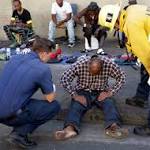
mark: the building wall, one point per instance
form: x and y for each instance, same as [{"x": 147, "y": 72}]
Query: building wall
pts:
[
  {"x": 40, "y": 11},
  {"x": 5, "y": 13}
]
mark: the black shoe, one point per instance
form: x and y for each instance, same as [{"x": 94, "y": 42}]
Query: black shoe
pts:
[
  {"x": 137, "y": 101},
  {"x": 21, "y": 141},
  {"x": 71, "y": 45},
  {"x": 142, "y": 131},
  {"x": 84, "y": 51}
]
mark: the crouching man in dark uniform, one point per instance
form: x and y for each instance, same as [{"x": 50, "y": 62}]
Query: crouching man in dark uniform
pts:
[{"x": 22, "y": 76}]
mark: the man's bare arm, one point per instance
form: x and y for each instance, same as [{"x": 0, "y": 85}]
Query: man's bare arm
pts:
[
  {"x": 54, "y": 19},
  {"x": 78, "y": 17},
  {"x": 65, "y": 20}
]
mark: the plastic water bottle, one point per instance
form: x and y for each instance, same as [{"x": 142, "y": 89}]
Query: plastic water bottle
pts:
[
  {"x": 8, "y": 53},
  {"x": 17, "y": 51},
  {"x": 58, "y": 52}
]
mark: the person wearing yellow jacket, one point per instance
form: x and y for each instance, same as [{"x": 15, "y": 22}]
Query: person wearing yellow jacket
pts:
[{"x": 134, "y": 22}]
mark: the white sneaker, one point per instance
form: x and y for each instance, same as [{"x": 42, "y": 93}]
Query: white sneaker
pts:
[
  {"x": 84, "y": 51},
  {"x": 100, "y": 51},
  {"x": 71, "y": 45}
]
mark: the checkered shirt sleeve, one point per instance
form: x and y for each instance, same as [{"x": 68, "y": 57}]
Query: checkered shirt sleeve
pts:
[{"x": 117, "y": 74}]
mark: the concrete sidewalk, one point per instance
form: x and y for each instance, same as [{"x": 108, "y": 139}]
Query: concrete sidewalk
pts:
[{"x": 92, "y": 137}]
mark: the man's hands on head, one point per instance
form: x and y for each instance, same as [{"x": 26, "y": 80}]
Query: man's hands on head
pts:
[
  {"x": 104, "y": 95},
  {"x": 81, "y": 99}
]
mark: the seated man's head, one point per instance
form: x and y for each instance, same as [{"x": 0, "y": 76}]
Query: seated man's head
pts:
[
  {"x": 60, "y": 2},
  {"x": 93, "y": 9},
  {"x": 43, "y": 47},
  {"x": 95, "y": 65},
  {"x": 17, "y": 5}
]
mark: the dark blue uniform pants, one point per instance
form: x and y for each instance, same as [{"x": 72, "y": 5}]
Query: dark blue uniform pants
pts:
[
  {"x": 143, "y": 89},
  {"x": 34, "y": 114}
]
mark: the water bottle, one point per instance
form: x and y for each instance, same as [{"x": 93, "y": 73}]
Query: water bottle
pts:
[
  {"x": 17, "y": 51},
  {"x": 58, "y": 52},
  {"x": 8, "y": 53}
]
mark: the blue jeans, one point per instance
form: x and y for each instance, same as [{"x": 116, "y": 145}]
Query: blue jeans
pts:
[
  {"x": 77, "y": 110},
  {"x": 70, "y": 28},
  {"x": 34, "y": 114},
  {"x": 143, "y": 89}
]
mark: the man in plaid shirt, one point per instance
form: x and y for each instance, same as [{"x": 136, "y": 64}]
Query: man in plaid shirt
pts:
[{"x": 92, "y": 88}]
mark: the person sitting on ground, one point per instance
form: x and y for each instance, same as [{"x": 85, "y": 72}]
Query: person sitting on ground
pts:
[
  {"x": 92, "y": 88},
  {"x": 22, "y": 76},
  {"x": 21, "y": 23},
  {"x": 90, "y": 24},
  {"x": 62, "y": 16}
]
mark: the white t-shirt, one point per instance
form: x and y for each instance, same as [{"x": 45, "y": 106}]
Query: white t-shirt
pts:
[{"x": 61, "y": 12}]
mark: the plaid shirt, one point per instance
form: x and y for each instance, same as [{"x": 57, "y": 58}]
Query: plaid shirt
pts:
[{"x": 86, "y": 81}]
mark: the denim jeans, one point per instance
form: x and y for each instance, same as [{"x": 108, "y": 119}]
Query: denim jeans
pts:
[
  {"x": 143, "y": 89},
  {"x": 70, "y": 28},
  {"x": 34, "y": 114},
  {"x": 77, "y": 110}
]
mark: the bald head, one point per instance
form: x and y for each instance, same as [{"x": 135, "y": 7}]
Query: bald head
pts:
[{"x": 95, "y": 66}]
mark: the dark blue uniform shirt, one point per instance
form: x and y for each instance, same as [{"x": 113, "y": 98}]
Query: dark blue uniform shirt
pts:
[{"x": 22, "y": 76}]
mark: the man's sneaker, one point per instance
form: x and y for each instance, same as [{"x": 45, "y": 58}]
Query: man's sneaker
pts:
[
  {"x": 84, "y": 51},
  {"x": 116, "y": 132},
  {"x": 142, "y": 131},
  {"x": 137, "y": 101},
  {"x": 101, "y": 52},
  {"x": 71, "y": 45},
  {"x": 21, "y": 141}
]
